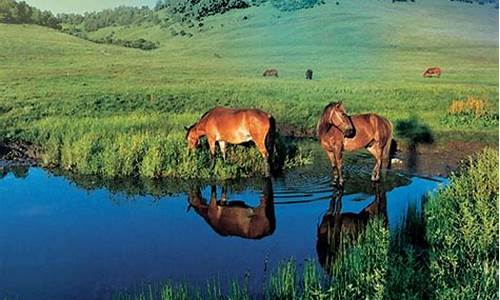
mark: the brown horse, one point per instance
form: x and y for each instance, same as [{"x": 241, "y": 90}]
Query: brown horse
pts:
[
  {"x": 270, "y": 72},
  {"x": 235, "y": 126},
  {"x": 235, "y": 218},
  {"x": 338, "y": 227},
  {"x": 338, "y": 132},
  {"x": 430, "y": 72}
]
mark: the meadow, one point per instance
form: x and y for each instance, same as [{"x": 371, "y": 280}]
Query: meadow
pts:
[{"x": 53, "y": 85}]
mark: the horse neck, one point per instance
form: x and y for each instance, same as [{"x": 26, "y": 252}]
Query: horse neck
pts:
[{"x": 199, "y": 128}]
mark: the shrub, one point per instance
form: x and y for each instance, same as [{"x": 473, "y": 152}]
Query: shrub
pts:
[
  {"x": 291, "y": 5},
  {"x": 462, "y": 232},
  {"x": 472, "y": 112}
]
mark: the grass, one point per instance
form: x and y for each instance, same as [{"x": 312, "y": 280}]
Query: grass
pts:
[
  {"x": 354, "y": 50},
  {"x": 451, "y": 253},
  {"x": 151, "y": 145},
  {"x": 462, "y": 231}
]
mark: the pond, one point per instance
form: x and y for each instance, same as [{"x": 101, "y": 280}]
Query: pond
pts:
[{"x": 63, "y": 237}]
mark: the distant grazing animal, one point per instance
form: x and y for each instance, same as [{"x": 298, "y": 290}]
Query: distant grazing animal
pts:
[
  {"x": 338, "y": 132},
  {"x": 337, "y": 227},
  {"x": 309, "y": 74},
  {"x": 235, "y": 126},
  {"x": 270, "y": 72},
  {"x": 431, "y": 72},
  {"x": 236, "y": 218}
]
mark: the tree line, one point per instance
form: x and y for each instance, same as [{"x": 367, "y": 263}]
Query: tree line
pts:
[
  {"x": 21, "y": 13},
  {"x": 119, "y": 16}
]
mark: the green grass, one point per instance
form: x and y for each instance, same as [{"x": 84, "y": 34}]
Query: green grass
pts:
[
  {"x": 151, "y": 145},
  {"x": 462, "y": 230},
  {"x": 370, "y": 54}
]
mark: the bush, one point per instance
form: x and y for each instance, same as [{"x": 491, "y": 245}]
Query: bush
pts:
[
  {"x": 186, "y": 11},
  {"x": 462, "y": 232},
  {"x": 291, "y": 5},
  {"x": 472, "y": 112}
]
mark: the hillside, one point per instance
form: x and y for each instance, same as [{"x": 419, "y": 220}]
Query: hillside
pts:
[{"x": 369, "y": 54}]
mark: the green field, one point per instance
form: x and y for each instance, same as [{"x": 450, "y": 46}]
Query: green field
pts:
[{"x": 370, "y": 54}]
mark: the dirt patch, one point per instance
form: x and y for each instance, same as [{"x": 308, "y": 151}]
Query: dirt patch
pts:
[
  {"x": 436, "y": 159},
  {"x": 18, "y": 153}
]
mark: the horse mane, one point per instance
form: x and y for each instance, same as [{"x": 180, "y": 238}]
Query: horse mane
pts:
[{"x": 323, "y": 124}]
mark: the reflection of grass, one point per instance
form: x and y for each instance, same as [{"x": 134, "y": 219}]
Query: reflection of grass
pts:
[{"x": 456, "y": 260}]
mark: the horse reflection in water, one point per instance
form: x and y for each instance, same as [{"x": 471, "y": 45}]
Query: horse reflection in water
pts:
[
  {"x": 236, "y": 218},
  {"x": 337, "y": 228}
]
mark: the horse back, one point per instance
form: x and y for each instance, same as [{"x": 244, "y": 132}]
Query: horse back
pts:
[
  {"x": 238, "y": 125},
  {"x": 368, "y": 128}
]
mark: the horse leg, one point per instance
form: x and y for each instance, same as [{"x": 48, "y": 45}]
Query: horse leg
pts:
[
  {"x": 265, "y": 154},
  {"x": 223, "y": 195},
  {"x": 339, "y": 165},
  {"x": 222, "y": 146},
  {"x": 211, "y": 145},
  {"x": 377, "y": 152},
  {"x": 331, "y": 158}
]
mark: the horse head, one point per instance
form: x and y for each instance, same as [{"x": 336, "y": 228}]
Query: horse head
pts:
[
  {"x": 337, "y": 116},
  {"x": 192, "y": 137}
]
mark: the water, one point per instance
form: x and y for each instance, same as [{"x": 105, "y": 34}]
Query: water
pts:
[{"x": 80, "y": 238}]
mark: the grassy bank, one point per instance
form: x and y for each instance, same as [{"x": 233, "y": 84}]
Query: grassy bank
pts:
[
  {"x": 151, "y": 145},
  {"x": 356, "y": 54},
  {"x": 451, "y": 253}
]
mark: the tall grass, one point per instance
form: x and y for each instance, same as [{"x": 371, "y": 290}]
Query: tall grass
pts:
[
  {"x": 151, "y": 146},
  {"x": 462, "y": 232}
]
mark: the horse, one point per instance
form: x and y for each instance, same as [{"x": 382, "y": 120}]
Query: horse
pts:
[
  {"x": 235, "y": 126},
  {"x": 430, "y": 72},
  {"x": 338, "y": 227},
  {"x": 270, "y": 72},
  {"x": 308, "y": 74},
  {"x": 338, "y": 132},
  {"x": 236, "y": 218}
]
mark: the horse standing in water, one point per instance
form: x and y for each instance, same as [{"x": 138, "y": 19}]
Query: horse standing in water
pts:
[
  {"x": 338, "y": 132},
  {"x": 235, "y": 126}
]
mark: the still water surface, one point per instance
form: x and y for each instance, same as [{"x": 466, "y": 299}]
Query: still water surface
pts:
[{"x": 64, "y": 238}]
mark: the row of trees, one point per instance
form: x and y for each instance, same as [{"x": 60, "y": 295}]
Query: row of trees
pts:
[
  {"x": 185, "y": 10},
  {"x": 21, "y": 13},
  {"x": 120, "y": 16},
  {"x": 197, "y": 9}
]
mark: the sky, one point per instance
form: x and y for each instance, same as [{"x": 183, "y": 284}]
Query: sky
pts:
[{"x": 79, "y": 6}]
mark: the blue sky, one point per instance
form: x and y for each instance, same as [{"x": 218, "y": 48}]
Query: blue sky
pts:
[{"x": 80, "y": 6}]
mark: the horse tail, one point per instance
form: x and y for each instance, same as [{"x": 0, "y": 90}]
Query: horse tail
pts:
[
  {"x": 389, "y": 148},
  {"x": 270, "y": 137}
]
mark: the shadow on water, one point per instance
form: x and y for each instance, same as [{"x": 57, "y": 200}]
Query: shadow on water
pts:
[
  {"x": 339, "y": 226},
  {"x": 234, "y": 217},
  {"x": 414, "y": 133}
]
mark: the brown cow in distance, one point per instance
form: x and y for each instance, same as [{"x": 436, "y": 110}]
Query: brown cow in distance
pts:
[
  {"x": 270, "y": 73},
  {"x": 431, "y": 72},
  {"x": 236, "y": 218}
]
